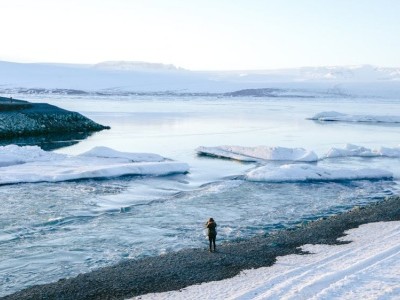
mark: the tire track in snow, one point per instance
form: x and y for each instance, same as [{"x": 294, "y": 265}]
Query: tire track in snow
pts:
[
  {"x": 312, "y": 279},
  {"x": 321, "y": 284}
]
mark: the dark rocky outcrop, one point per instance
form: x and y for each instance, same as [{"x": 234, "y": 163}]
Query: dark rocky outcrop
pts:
[{"x": 25, "y": 121}]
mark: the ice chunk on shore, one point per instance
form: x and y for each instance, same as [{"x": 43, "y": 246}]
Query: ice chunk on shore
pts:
[
  {"x": 32, "y": 164},
  {"x": 259, "y": 153},
  {"x": 340, "y": 117},
  {"x": 354, "y": 150},
  {"x": 306, "y": 172}
]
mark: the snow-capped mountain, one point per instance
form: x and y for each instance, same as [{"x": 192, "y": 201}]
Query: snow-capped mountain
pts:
[
  {"x": 119, "y": 77},
  {"x": 136, "y": 66}
]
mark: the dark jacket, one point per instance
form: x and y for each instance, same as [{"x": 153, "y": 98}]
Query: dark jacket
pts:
[{"x": 212, "y": 232}]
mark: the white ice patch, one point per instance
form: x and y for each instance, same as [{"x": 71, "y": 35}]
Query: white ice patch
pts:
[
  {"x": 389, "y": 152},
  {"x": 351, "y": 150},
  {"x": 340, "y": 117},
  {"x": 13, "y": 155},
  {"x": 259, "y": 153},
  {"x": 32, "y": 164},
  {"x": 106, "y": 152},
  {"x": 354, "y": 150},
  {"x": 305, "y": 172}
]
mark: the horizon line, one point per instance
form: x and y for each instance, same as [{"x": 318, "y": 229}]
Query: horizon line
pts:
[{"x": 179, "y": 68}]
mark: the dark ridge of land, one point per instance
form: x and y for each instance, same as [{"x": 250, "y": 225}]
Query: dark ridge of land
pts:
[
  {"x": 177, "y": 270},
  {"x": 25, "y": 123}
]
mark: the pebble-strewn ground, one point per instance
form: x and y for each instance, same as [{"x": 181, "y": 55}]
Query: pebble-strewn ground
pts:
[{"x": 174, "y": 271}]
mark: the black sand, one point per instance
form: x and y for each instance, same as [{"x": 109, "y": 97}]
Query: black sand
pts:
[{"x": 178, "y": 270}]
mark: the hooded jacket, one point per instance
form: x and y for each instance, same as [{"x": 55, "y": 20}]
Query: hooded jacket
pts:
[{"x": 211, "y": 226}]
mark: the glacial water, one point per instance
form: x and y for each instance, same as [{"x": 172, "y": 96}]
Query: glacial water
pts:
[{"x": 50, "y": 231}]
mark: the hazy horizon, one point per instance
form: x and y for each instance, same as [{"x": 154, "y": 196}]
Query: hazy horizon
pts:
[
  {"x": 178, "y": 67},
  {"x": 203, "y": 35}
]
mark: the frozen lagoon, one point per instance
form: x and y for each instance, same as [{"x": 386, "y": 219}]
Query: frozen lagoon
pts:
[{"x": 56, "y": 230}]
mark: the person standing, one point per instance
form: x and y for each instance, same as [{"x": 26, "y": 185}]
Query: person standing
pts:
[{"x": 212, "y": 232}]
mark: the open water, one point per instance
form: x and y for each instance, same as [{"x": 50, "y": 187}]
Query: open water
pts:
[{"x": 50, "y": 231}]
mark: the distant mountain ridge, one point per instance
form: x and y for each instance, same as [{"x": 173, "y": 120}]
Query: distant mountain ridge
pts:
[
  {"x": 136, "y": 66},
  {"x": 126, "y": 77}
]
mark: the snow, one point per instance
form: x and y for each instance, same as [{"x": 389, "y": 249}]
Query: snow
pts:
[
  {"x": 265, "y": 153},
  {"x": 389, "y": 152},
  {"x": 13, "y": 155},
  {"x": 341, "y": 117},
  {"x": 106, "y": 152},
  {"x": 354, "y": 150},
  {"x": 125, "y": 76},
  {"x": 32, "y": 164},
  {"x": 307, "y": 172},
  {"x": 258, "y": 153},
  {"x": 136, "y": 66},
  {"x": 297, "y": 170},
  {"x": 366, "y": 268}
]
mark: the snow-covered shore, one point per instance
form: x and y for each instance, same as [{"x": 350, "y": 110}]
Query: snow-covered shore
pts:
[
  {"x": 263, "y": 267},
  {"x": 368, "y": 267}
]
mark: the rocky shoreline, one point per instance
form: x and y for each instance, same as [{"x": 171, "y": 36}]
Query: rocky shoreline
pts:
[
  {"x": 177, "y": 270},
  {"x": 21, "y": 119}
]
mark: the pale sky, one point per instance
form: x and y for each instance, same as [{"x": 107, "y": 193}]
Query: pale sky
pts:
[{"x": 203, "y": 34}]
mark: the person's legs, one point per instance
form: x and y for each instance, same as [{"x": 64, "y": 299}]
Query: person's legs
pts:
[
  {"x": 210, "y": 240},
  {"x": 213, "y": 240}
]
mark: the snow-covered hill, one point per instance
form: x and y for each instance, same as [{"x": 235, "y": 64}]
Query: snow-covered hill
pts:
[
  {"x": 142, "y": 77},
  {"x": 136, "y": 66}
]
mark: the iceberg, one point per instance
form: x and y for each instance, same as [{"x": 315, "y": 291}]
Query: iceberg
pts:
[
  {"x": 32, "y": 164},
  {"x": 306, "y": 172},
  {"x": 259, "y": 153},
  {"x": 340, "y": 117},
  {"x": 354, "y": 150}
]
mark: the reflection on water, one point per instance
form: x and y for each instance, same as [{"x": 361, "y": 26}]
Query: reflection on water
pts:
[{"x": 48, "y": 142}]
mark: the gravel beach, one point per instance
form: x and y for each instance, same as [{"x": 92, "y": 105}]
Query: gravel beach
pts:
[{"x": 175, "y": 271}]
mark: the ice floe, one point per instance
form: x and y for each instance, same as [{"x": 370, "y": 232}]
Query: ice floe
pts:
[
  {"x": 106, "y": 152},
  {"x": 307, "y": 172},
  {"x": 389, "y": 152},
  {"x": 266, "y": 153},
  {"x": 354, "y": 150},
  {"x": 341, "y": 117},
  {"x": 32, "y": 164},
  {"x": 259, "y": 153}
]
